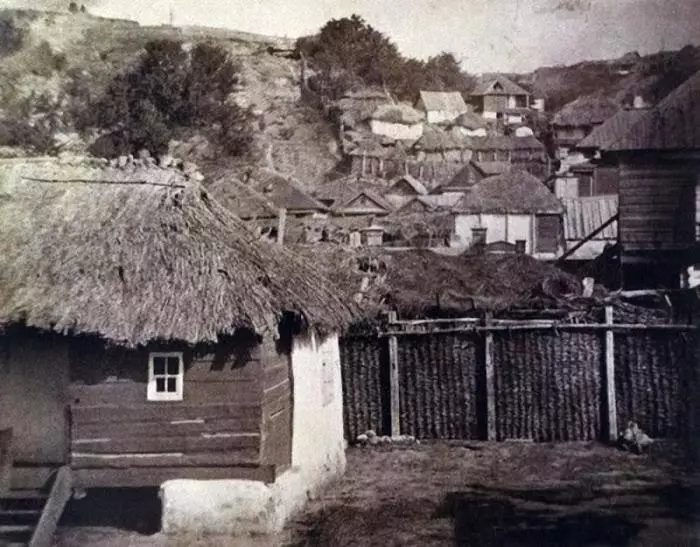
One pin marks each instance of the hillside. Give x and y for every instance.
(56, 65)
(65, 55)
(651, 76)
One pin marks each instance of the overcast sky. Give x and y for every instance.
(487, 35)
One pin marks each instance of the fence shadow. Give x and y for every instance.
(564, 516)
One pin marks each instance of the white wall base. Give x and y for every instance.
(239, 508)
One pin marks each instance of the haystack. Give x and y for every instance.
(140, 254)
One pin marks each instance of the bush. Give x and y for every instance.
(169, 91)
(11, 36)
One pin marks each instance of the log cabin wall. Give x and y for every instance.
(656, 205)
(277, 406)
(119, 438)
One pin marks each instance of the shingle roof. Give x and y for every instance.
(466, 178)
(488, 86)
(490, 168)
(586, 111)
(513, 192)
(504, 142)
(343, 191)
(584, 215)
(451, 101)
(283, 192)
(417, 185)
(673, 124)
(612, 130)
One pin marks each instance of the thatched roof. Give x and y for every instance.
(465, 179)
(470, 120)
(498, 85)
(436, 139)
(447, 101)
(420, 283)
(283, 191)
(238, 197)
(586, 111)
(417, 186)
(397, 113)
(490, 168)
(504, 142)
(674, 124)
(140, 254)
(513, 192)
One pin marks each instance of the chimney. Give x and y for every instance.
(479, 239)
(520, 246)
(639, 102)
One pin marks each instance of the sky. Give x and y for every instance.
(486, 35)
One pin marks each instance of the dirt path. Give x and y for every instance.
(480, 494)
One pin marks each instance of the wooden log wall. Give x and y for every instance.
(225, 426)
(523, 381)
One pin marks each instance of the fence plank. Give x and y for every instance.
(610, 398)
(490, 381)
(394, 381)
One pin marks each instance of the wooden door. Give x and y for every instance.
(34, 377)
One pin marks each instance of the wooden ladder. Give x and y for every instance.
(30, 517)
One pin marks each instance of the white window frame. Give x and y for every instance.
(152, 393)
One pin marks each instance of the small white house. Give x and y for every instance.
(397, 122)
(441, 106)
(514, 208)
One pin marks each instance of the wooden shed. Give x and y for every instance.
(148, 336)
(659, 159)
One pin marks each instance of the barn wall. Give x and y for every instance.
(216, 425)
(656, 206)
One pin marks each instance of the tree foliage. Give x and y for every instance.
(348, 52)
(168, 92)
(11, 36)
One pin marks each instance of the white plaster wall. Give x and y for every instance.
(520, 227)
(514, 119)
(490, 115)
(511, 101)
(442, 116)
(318, 444)
(498, 228)
(243, 508)
(480, 132)
(397, 130)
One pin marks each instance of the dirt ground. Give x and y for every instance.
(481, 494)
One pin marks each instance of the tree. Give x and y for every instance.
(171, 91)
(11, 36)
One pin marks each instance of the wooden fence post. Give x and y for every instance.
(490, 381)
(394, 380)
(610, 394)
(281, 225)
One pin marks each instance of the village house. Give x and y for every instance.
(515, 208)
(497, 154)
(441, 107)
(659, 161)
(149, 339)
(463, 181)
(575, 121)
(470, 124)
(398, 122)
(499, 99)
(403, 189)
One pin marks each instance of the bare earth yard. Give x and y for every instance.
(485, 494)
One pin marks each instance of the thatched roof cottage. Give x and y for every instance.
(149, 338)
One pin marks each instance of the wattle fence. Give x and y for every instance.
(537, 380)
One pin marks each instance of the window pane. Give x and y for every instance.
(172, 385)
(158, 365)
(160, 385)
(173, 366)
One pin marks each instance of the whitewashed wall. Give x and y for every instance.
(397, 130)
(510, 228)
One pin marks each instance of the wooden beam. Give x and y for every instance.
(490, 381)
(588, 238)
(394, 386)
(610, 395)
(6, 460)
(554, 327)
(281, 225)
(61, 491)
